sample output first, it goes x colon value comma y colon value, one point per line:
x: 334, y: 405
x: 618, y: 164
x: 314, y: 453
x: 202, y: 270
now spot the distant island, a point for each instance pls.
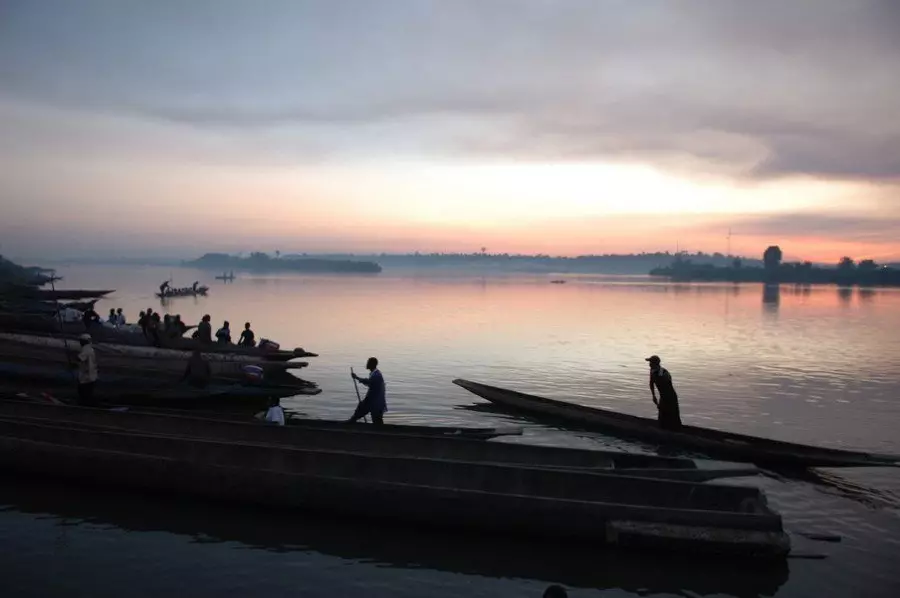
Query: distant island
x: 496, y: 263
x: 263, y: 262
x: 846, y: 272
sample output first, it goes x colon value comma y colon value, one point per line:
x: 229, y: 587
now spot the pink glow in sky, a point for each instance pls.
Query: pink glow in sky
x: 585, y: 127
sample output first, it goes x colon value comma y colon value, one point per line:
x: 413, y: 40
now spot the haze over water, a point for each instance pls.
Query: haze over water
x: 815, y: 365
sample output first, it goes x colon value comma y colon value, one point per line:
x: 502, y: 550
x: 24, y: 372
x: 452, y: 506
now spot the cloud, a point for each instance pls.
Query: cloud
x: 762, y: 89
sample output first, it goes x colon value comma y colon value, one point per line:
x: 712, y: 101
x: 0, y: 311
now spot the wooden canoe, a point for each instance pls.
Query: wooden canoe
x: 716, y: 443
x: 549, y: 503
x: 459, y: 444
x: 52, y: 295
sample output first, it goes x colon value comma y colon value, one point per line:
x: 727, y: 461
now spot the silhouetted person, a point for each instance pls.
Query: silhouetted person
x: 113, y: 318
x: 248, y: 339
x: 163, y: 288
x: 223, y: 334
x: 555, y: 591
x: 194, y: 286
x: 667, y: 404
x: 90, y: 317
x: 120, y: 317
x: 375, y: 402
x: 178, y: 327
x: 198, y: 372
x: 204, y: 331
x: 87, y: 371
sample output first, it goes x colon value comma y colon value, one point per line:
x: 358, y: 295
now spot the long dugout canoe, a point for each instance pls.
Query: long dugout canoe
x: 551, y: 503
x: 417, y: 441
x: 36, y: 350
x: 715, y: 443
x: 58, y: 294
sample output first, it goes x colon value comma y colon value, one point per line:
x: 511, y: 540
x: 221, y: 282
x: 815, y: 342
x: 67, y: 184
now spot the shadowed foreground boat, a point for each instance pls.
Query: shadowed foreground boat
x: 724, y: 445
x: 433, y: 442
x: 561, y: 504
x: 570, y: 564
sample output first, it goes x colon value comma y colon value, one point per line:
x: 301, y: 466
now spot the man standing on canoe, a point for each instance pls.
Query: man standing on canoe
x: 375, y: 402
x: 667, y: 404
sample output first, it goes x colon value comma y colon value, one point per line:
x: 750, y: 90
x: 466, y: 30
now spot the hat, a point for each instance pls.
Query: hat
x: 653, y: 359
x: 85, y: 337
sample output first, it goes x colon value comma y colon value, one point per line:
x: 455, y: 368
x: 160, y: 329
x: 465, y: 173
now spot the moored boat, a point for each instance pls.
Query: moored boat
x: 32, y: 352
x: 439, y: 442
x: 551, y: 503
x: 716, y: 443
x: 26, y: 292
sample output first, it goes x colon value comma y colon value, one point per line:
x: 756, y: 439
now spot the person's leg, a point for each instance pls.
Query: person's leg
x: 361, y: 411
x: 378, y: 418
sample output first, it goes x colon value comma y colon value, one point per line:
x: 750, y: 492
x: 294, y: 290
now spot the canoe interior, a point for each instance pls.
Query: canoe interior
x: 425, y: 444
x: 657, y: 500
x: 729, y: 444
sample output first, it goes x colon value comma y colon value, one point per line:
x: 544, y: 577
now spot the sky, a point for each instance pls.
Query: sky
x: 169, y: 129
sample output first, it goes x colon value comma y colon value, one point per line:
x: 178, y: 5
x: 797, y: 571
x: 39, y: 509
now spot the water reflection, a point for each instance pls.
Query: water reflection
x: 845, y: 295
x: 771, y: 298
x: 575, y: 566
x: 865, y: 295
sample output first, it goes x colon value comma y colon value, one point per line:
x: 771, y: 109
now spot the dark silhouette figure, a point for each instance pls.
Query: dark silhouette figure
x: 90, y: 317
x: 667, y: 404
x: 248, y: 339
x: 198, y: 372
x: 223, y: 334
x: 204, y: 331
x: 375, y: 402
x: 555, y: 591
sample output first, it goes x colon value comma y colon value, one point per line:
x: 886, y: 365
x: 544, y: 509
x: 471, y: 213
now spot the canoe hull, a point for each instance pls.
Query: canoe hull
x: 542, y: 503
x: 460, y: 444
x: 725, y: 445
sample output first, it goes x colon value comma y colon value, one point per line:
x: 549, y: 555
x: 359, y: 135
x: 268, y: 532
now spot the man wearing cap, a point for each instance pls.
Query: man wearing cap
x: 667, y: 404
x: 87, y: 371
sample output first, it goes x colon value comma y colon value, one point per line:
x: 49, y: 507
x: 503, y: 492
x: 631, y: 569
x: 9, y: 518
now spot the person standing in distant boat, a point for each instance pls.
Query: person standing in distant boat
x: 375, y: 402
x: 164, y: 287
x: 87, y: 371
x: 248, y: 339
x: 667, y: 404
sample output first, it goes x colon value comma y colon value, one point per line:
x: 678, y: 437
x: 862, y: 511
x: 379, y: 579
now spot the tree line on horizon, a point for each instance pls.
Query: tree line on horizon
x: 846, y: 271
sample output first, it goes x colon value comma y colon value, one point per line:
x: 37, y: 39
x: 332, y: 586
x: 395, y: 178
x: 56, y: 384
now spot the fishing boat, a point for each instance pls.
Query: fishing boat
x: 433, y: 442
x: 186, y: 292
x: 562, y: 505
x: 716, y: 443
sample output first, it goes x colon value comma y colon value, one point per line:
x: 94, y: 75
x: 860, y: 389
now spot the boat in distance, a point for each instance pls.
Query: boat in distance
x: 715, y: 443
x: 565, y: 505
x: 439, y: 442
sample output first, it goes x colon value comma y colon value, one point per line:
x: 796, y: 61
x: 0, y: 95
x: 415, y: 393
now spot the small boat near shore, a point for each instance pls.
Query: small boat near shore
x: 439, y: 442
x: 715, y: 443
x: 560, y: 504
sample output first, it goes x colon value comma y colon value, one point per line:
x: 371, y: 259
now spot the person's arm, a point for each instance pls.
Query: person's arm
x: 653, y: 390
x: 363, y: 381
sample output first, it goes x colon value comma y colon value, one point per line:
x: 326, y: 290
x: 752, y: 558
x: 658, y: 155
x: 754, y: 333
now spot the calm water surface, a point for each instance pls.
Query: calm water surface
x: 815, y: 365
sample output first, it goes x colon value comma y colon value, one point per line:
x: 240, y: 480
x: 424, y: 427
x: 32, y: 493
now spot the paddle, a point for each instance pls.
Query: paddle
x: 356, y: 386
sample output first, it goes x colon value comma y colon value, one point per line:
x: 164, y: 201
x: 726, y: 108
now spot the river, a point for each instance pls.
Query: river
x: 817, y: 365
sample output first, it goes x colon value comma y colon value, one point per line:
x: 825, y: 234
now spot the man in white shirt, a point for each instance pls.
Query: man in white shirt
x: 120, y: 317
x: 274, y: 414
x: 87, y: 371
